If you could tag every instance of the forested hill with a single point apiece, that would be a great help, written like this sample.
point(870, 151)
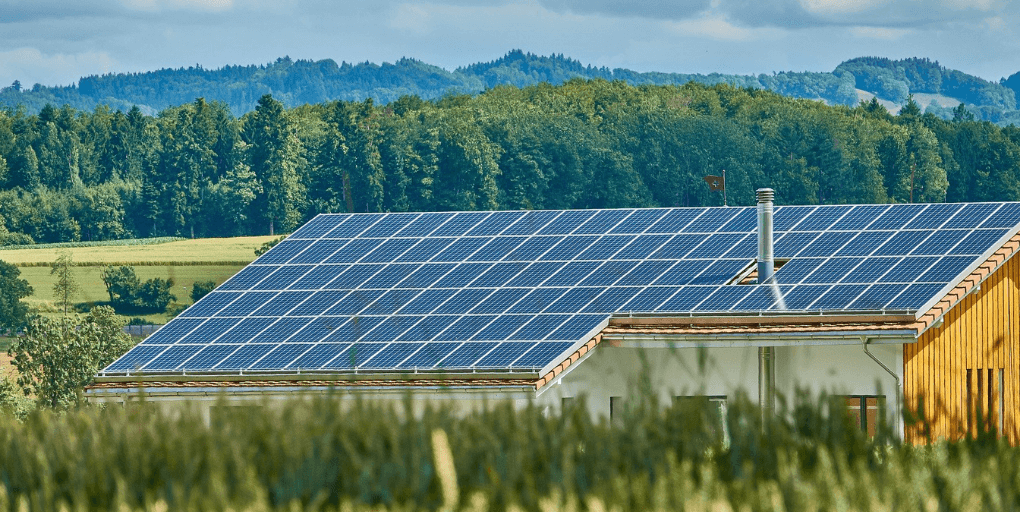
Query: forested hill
point(197, 170)
point(309, 82)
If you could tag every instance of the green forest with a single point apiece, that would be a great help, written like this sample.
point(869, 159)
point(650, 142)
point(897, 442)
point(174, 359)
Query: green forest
point(196, 170)
point(300, 82)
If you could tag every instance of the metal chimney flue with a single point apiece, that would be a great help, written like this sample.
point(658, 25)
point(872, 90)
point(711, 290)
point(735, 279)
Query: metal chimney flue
point(766, 265)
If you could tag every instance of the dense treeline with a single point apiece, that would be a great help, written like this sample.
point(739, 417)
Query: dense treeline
point(196, 170)
point(300, 82)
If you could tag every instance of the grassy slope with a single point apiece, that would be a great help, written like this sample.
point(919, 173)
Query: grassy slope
point(210, 259)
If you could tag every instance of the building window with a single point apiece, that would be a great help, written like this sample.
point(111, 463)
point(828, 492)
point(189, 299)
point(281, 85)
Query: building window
point(865, 411)
point(715, 405)
point(616, 408)
point(985, 400)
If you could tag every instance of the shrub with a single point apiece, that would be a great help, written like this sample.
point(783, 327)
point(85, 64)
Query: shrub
point(128, 294)
point(201, 289)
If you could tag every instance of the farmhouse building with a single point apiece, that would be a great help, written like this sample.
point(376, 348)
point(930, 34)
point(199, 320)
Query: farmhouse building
point(907, 305)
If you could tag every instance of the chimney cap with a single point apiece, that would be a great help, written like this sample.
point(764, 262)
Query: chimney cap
point(765, 195)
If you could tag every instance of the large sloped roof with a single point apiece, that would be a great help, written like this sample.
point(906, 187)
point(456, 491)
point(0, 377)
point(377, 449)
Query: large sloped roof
point(518, 291)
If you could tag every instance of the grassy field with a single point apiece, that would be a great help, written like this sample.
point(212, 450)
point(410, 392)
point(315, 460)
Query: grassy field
point(188, 261)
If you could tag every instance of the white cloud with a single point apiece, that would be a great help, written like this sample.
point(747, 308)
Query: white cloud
point(178, 5)
point(31, 66)
point(719, 28)
point(411, 17)
point(880, 33)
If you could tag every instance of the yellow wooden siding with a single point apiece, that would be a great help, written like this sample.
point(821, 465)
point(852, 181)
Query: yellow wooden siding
point(980, 333)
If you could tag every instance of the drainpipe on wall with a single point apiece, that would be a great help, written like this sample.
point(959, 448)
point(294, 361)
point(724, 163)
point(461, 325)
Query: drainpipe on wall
point(896, 378)
point(766, 266)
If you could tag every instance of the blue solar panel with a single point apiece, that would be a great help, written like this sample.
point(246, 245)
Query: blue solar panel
point(319, 226)
point(520, 288)
point(391, 328)
point(247, 277)
point(426, 249)
point(353, 329)
point(460, 249)
point(646, 273)
point(210, 330)
point(898, 217)
point(426, 275)
point(978, 242)
point(244, 357)
point(500, 300)
point(495, 223)
point(504, 354)
point(537, 300)
point(427, 301)
point(354, 302)
point(428, 328)
point(790, 244)
point(609, 273)
point(210, 304)
point(497, 248)
point(605, 247)
point(870, 271)
point(1007, 216)
point(285, 250)
point(649, 299)
point(531, 223)
point(934, 216)
point(352, 226)
point(391, 356)
point(319, 251)
point(541, 354)
point(639, 221)
point(245, 330)
point(569, 247)
point(902, 243)
point(720, 272)
point(136, 358)
point(429, 355)
point(460, 224)
point(462, 275)
point(465, 355)
point(389, 225)
point(318, 303)
point(281, 356)
point(389, 250)
point(318, 356)
point(860, 217)
point(533, 248)
point(612, 299)
point(464, 301)
point(502, 327)
point(566, 222)
point(675, 220)
point(971, 216)
point(172, 358)
point(465, 327)
point(711, 220)
point(864, 244)
point(821, 218)
point(603, 221)
point(679, 246)
point(688, 297)
point(424, 225)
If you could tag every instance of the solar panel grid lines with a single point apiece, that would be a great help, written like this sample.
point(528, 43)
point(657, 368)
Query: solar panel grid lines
point(617, 261)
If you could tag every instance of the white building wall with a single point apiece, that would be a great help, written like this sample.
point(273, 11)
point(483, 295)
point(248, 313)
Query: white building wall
point(613, 372)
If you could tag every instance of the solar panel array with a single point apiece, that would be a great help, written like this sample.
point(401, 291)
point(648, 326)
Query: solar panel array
point(518, 290)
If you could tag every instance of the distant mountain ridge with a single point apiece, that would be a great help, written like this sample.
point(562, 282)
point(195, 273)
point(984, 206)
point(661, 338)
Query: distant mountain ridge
point(296, 82)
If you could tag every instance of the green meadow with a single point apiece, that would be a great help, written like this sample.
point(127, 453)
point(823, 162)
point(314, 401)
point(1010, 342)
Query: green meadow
point(185, 261)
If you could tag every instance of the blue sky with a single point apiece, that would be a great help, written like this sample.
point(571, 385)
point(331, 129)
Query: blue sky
point(54, 42)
